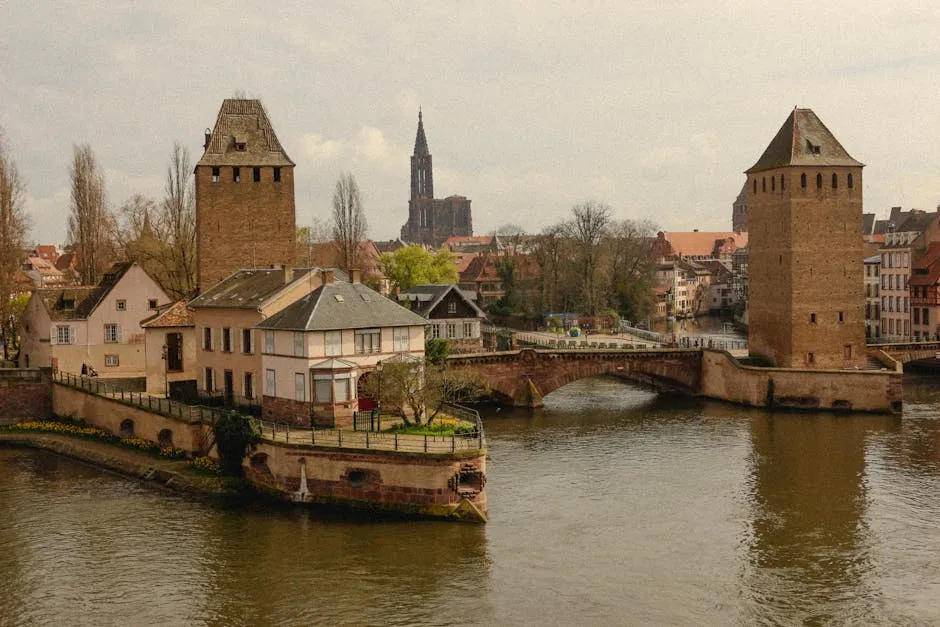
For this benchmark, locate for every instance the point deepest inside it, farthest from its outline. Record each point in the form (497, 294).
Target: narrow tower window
(256, 175)
(216, 174)
(835, 180)
(236, 174)
(849, 182)
(755, 185)
(763, 184)
(812, 318)
(783, 184)
(819, 181)
(277, 175)
(803, 180)
(773, 183)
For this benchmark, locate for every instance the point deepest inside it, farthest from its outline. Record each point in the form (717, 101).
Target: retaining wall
(25, 394)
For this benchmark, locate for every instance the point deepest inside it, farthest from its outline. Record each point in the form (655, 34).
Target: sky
(653, 108)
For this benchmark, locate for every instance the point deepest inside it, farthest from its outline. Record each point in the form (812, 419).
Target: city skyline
(528, 110)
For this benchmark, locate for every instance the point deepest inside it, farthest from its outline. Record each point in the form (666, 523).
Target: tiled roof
(251, 288)
(244, 121)
(701, 243)
(868, 223)
(78, 303)
(173, 315)
(803, 140)
(427, 298)
(336, 306)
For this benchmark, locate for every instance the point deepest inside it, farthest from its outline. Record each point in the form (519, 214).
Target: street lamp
(164, 355)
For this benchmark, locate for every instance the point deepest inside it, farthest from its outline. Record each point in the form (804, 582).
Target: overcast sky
(655, 108)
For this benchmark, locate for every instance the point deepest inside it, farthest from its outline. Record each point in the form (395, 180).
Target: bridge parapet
(908, 351)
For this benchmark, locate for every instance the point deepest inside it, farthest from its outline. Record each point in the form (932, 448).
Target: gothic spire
(421, 142)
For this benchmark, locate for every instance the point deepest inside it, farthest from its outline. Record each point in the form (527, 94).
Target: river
(611, 505)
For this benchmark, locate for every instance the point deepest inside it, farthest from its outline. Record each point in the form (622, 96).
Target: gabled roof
(78, 303)
(803, 140)
(926, 269)
(868, 223)
(173, 315)
(335, 306)
(250, 288)
(244, 121)
(427, 297)
(701, 243)
(916, 221)
(333, 364)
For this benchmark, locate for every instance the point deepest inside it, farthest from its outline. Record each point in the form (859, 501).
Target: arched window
(849, 181)
(783, 184)
(835, 180)
(165, 438)
(755, 184)
(763, 184)
(819, 181)
(803, 180)
(127, 428)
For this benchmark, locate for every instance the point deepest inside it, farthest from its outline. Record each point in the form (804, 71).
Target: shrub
(207, 465)
(171, 452)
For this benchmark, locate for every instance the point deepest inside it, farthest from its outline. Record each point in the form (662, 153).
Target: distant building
(925, 294)
(170, 347)
(872, 297)
(431, 220)
(897, 253)
(244, 196)
(699, 245)
(806, 308)
(452, 314)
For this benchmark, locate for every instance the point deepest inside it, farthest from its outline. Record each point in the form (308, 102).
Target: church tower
(804, 199)
(422, 176)
(244, 196)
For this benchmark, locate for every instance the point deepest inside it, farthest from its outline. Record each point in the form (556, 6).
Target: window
(773, 183)
(848, 181)
(256, 175)
(452, 307)
(368, 341)
(841, 316)
(847, 351)
(810, 358)
(925, 317)
(468, 329)
(210, 381)
(436, 331)
(207, 338)
(270, 387)
(246, 341)
(401, 339)
(111, 361)
(783, 185)
(120, 304)
(835, 180)
(916, 315)
(277, 175)
(112, 333)
(269, 342)
(819, 181)
(812, 318)
(763, 184)
(891, 326)
(803, 180)
(174, 352)
(216, 175)
(226, 340)
(451, 330)
(324, 388)
(152, 303)
(236, 175)
(299, 386)
(333, 343)
(340, 390)
(249, 390)
(299, 348)
(755, 185)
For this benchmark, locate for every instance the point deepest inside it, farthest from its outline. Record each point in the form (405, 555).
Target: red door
(366, 402)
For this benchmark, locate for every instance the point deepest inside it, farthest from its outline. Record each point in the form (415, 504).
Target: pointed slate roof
(427, 297)
(421, 142)
(803, 140)
(335, 306)
(244, 122)
(250, 288)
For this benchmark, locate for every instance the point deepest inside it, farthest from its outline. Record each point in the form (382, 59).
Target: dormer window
(812, 148)
(68, 303)
(239, 143)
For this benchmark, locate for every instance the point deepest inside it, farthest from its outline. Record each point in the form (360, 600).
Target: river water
(611, 505)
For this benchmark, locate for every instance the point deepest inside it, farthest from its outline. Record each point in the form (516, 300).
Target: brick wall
(25, 394)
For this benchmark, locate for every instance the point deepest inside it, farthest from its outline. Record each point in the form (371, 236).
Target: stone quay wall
(109, 414)
(725, 379)
(433, 485)
(25, 394)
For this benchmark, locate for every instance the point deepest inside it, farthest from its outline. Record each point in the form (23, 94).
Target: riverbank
(177, 475)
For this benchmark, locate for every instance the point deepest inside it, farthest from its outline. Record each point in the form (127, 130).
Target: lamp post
(378, 403)
(166, 363)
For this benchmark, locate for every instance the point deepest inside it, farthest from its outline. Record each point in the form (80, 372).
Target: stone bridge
(908, 352)
(523, 377)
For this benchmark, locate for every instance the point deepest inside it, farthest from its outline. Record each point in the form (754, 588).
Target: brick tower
(430, 220)
(244, 196)
(804, 198)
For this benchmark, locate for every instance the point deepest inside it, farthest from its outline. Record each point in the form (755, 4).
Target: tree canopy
(415, 265)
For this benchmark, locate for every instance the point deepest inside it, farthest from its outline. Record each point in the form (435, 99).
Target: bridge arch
(523, 377)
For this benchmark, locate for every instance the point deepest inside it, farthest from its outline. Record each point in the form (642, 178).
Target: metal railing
(588, 342)
(154, 404)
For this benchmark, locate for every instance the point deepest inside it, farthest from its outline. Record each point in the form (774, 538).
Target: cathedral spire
(421, 142)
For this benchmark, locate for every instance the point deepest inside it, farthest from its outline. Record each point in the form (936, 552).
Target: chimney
(288, 273)
(205, 146)
(356, 275)
(326, 276)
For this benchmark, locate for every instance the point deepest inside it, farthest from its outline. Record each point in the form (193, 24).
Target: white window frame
(64, 334)
(270, 382)
(374, 344)
(112, 361)
(333, 343)
(300, 344)
(451, 330)
(269, 341)
(300, 384)
(323, 384)
(401, 338)
(112, 333)
(468, 330)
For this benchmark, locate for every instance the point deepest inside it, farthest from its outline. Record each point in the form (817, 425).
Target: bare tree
(308, 236)
(587, 229)
(633, 267)
(178, 224)
(349, 220)
(89, 221)
(14, 225)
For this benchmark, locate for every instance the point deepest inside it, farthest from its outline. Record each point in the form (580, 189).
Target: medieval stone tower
(807, 309)
(244, 196)
(431, 221)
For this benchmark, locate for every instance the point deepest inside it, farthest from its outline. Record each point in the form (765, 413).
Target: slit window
(755, 185)
(236, 174)
(841, 316)
(803, 180)
(848, 181)
(812, 318)
(763, 184)
(835, 180)
(819, 181)
(773, 183)
(277, 175)
(256, 175)
(216, 174)
(783, 184)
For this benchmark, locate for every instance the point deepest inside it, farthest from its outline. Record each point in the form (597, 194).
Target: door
(366, 402)
(229, 387)
(174, 352)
